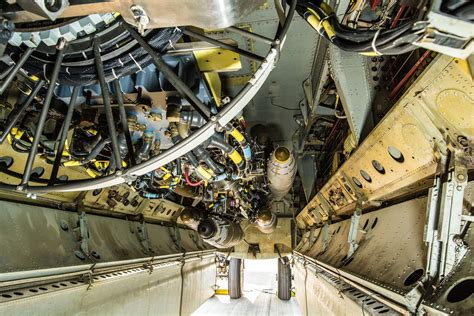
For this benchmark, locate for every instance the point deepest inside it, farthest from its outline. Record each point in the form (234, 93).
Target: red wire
(188, 181)
(410, 73)
(398, 16)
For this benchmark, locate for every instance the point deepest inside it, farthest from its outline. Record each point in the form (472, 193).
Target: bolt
(461, 177)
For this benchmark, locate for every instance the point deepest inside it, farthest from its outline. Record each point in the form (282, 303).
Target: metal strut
(224, 45)
(15, 69)
(16, 114)
(169, 73)
(123, 119)
(64, 131)
(44, 114)
(107, 108)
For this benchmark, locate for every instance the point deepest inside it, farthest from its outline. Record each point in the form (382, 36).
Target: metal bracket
(144, 237)
(84, 234)
(325, 237)
(176, 237)
(352, 235)
(449, 225)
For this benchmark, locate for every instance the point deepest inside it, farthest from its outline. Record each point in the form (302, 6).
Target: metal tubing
(44, 114)
(169, 73)
(107, 108)
(16, 114)
(64, 131)
(250, 35)
(224, 45)
(15, 69)
(123, 119)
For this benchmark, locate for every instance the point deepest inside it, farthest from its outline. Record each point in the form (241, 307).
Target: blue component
(220, 177)
(247, 153)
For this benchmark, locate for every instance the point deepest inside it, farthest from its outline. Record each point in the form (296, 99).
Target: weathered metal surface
(321, 293)
(175, 288)
(34, 237)
(401, 154)
(391, 258)
(390, 245)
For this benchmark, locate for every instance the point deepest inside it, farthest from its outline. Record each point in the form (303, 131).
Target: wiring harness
(371, 42)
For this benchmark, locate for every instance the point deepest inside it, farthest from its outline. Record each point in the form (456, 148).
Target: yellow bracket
(217, 60)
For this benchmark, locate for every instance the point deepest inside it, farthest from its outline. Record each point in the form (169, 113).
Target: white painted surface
(260, 298)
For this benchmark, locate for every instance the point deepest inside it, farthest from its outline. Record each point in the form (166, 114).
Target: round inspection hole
(374, 223)
(125, 195)
(6, 296)
(357, 182)
(63, 284)
(18, 293)
(366, 176)
(63, 178)
(43, 289)
(383, 311)
(55, 286)
(395, 154)
(33, 290)
(461, 291)
(338, 229)
(348, 188)
(37, 172)
(6, 162)
(413, 277)
(96, 192)
(378, 166)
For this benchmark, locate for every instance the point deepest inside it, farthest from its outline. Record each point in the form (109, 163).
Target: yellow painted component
(165, 170)
(235, 157)
(204, 173)
(34, 78)
(236, 80)
(326, 8)
(101, 164)
(163, 187)
(324, 23)
(211, 205)
(91, 173)
(217, 60)
(463, 64)
(72, 163)
(166, 176)
(18, 134)
(222, 292)
(9, 138)
(215, 85)
(237, 135)
(370, 54)
(92, 131)
(314, 22)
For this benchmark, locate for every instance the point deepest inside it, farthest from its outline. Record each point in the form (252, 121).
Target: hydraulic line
(188, 180)
(219, 142)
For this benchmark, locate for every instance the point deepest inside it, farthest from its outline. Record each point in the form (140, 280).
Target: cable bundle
(394, 41)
